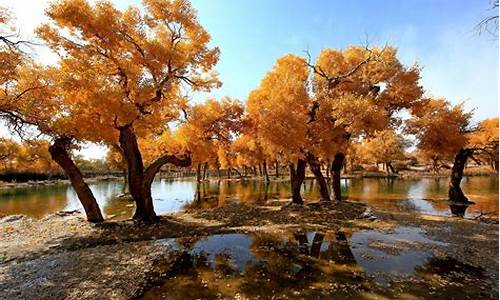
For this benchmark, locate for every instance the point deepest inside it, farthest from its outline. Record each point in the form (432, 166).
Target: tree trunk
(205, 167)
(435, 165)
(264, 165)
(125, 182)
(144, 210)
(260, 170)
(277, 166)
(455, 193)
(327, 165)
(297, 176)
(316, 244)
(59, 153)
(198, 172)
(315, 167)
(336, 169)
(390, 168)
(238, 172)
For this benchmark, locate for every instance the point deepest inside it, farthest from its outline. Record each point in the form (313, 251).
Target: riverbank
(471, 172)
(62, 256)
(19, 185)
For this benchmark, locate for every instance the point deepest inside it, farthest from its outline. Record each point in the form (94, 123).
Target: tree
(278, 108)
(384, 146)
(363, 89)
(28, 99)
(490, 23)
(209, 127)
(485, 140)
(123, 72)
(441, 129)
(8, 150)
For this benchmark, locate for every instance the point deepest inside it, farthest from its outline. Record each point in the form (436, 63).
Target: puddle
(311, 264)
(389, 254)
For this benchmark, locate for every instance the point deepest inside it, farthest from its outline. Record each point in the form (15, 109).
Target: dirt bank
(64, 257)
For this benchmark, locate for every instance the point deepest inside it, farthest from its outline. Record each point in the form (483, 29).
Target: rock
(11, 218)
(367, 214)
(64, 213)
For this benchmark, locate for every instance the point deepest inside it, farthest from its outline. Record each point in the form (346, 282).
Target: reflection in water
(426, 195)
(304, 265)
(458, 209)
(256, 266)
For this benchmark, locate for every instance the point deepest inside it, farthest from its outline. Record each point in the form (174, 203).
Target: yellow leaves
(359, 114)
(29, 156)
(486, 134)
(280, 106)
(439, 128)
(127, 67)
(383, 146)
(5, 15)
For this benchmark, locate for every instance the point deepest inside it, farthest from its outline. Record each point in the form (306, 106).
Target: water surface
(426, 195)
(310, 265)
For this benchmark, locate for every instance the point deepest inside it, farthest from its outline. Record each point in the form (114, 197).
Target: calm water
(426, 195)
(314, 265)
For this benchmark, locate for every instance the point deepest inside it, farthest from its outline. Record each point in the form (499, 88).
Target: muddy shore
(64, 257)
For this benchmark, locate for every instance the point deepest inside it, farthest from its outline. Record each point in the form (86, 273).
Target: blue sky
(439, 35)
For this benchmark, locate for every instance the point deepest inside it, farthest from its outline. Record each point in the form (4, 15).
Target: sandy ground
(64, 257)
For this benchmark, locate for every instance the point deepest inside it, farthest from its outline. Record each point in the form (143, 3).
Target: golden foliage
(440, 128)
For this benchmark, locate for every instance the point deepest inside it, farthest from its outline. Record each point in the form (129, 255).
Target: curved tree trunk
(297, 175)
(59, 153)
(315, 167)
(455, 193)
(140, 180)
(336, 169)
(144, 210)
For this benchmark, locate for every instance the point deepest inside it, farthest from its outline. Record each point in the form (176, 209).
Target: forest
(124, 80)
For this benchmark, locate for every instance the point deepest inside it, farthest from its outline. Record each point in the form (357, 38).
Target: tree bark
(264, 165)
(336, 169)
(277, 166)
(238, 172)
(316, 244)
(390, 168)
(205, 167)
(297, 175)
(144, 210)
(125, 181)
(455, 193)
(315, 167)
(59, 153)
(198, 172)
